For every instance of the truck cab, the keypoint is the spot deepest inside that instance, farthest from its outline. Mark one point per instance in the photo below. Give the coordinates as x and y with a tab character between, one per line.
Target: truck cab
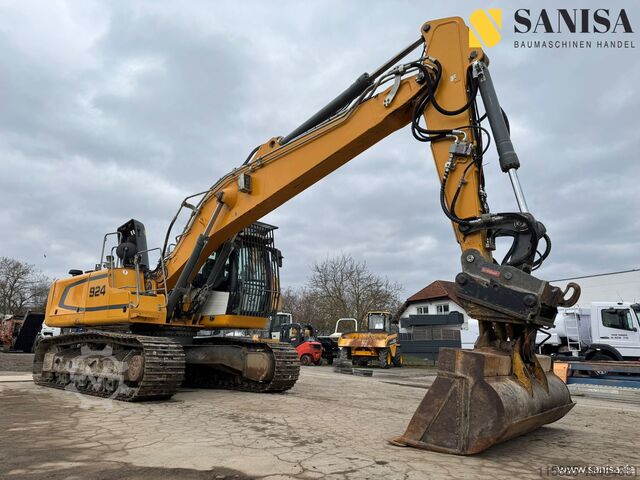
601	331
616	325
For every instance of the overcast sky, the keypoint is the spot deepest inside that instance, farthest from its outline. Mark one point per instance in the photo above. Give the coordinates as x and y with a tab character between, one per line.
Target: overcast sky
118	110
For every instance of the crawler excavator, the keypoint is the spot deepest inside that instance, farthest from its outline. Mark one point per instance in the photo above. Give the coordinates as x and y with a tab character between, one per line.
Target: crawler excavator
138	324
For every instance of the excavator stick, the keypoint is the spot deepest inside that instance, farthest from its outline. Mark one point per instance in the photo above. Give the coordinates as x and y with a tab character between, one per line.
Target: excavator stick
476	401
501	389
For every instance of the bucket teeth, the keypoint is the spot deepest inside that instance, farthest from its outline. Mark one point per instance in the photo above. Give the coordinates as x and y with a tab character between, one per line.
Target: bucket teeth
539	374
521	372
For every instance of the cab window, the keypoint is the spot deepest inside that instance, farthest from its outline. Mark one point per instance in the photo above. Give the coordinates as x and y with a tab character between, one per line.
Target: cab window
376	321
619	318
281	319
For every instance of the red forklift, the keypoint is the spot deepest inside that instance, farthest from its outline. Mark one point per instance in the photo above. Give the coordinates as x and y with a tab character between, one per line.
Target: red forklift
305	342
302	337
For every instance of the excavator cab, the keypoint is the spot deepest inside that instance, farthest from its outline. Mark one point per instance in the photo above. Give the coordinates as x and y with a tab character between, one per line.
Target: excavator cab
276	322
241	278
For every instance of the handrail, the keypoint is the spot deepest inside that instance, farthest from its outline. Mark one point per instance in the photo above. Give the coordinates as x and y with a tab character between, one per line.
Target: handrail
136	263
104	243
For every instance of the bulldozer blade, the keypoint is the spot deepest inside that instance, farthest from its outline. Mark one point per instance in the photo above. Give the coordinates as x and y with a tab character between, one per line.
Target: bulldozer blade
476	401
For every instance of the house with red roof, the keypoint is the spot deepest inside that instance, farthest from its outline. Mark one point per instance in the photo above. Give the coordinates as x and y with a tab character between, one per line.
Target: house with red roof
433	318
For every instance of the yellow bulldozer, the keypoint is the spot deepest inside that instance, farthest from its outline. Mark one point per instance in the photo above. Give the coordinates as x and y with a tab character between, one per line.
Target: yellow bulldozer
377	344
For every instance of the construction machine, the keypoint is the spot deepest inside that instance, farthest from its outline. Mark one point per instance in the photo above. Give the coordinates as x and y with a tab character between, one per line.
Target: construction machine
139	322
330	348
377	343
344	325
302	337
276	322
304	340
19	333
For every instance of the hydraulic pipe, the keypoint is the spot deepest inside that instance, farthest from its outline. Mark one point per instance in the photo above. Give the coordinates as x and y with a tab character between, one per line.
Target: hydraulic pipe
187	271
363	82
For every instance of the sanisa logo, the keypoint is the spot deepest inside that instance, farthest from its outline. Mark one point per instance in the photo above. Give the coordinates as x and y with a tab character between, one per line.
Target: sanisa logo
582	20
485	26
534	28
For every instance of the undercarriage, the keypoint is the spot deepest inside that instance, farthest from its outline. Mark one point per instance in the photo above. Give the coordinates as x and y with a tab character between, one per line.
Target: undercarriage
134	367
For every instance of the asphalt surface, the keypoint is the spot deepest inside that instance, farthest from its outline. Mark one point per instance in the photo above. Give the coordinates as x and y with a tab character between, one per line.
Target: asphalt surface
329	425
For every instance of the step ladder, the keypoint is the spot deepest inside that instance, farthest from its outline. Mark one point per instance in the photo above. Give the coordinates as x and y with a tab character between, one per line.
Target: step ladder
572	329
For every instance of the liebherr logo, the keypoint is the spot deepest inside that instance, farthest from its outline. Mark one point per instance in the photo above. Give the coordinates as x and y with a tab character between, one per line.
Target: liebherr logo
485	26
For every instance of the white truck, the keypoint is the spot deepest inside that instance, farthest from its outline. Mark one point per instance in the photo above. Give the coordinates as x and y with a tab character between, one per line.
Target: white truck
599	331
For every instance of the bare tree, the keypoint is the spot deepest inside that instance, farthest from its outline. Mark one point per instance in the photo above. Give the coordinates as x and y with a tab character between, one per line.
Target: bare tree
302	304
22	287
340	286
289	300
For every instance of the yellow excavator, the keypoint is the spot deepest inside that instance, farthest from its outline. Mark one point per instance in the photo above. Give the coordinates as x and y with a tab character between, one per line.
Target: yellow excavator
134	332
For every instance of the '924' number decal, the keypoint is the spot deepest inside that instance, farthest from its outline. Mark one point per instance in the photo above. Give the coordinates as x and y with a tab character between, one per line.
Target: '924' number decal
97	291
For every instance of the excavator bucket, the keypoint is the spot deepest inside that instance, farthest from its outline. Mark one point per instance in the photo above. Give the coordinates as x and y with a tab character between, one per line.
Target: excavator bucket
481	398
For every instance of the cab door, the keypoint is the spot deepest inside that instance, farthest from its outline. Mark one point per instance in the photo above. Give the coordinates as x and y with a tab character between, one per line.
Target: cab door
619	328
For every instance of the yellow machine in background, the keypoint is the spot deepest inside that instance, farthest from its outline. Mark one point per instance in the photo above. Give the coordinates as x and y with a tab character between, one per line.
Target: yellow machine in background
140	323
377	344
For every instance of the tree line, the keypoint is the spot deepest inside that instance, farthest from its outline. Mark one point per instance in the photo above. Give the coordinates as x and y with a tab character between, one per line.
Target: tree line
340	287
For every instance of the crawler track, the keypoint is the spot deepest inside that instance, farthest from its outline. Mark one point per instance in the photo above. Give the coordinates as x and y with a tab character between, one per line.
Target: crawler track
83	367
99	364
